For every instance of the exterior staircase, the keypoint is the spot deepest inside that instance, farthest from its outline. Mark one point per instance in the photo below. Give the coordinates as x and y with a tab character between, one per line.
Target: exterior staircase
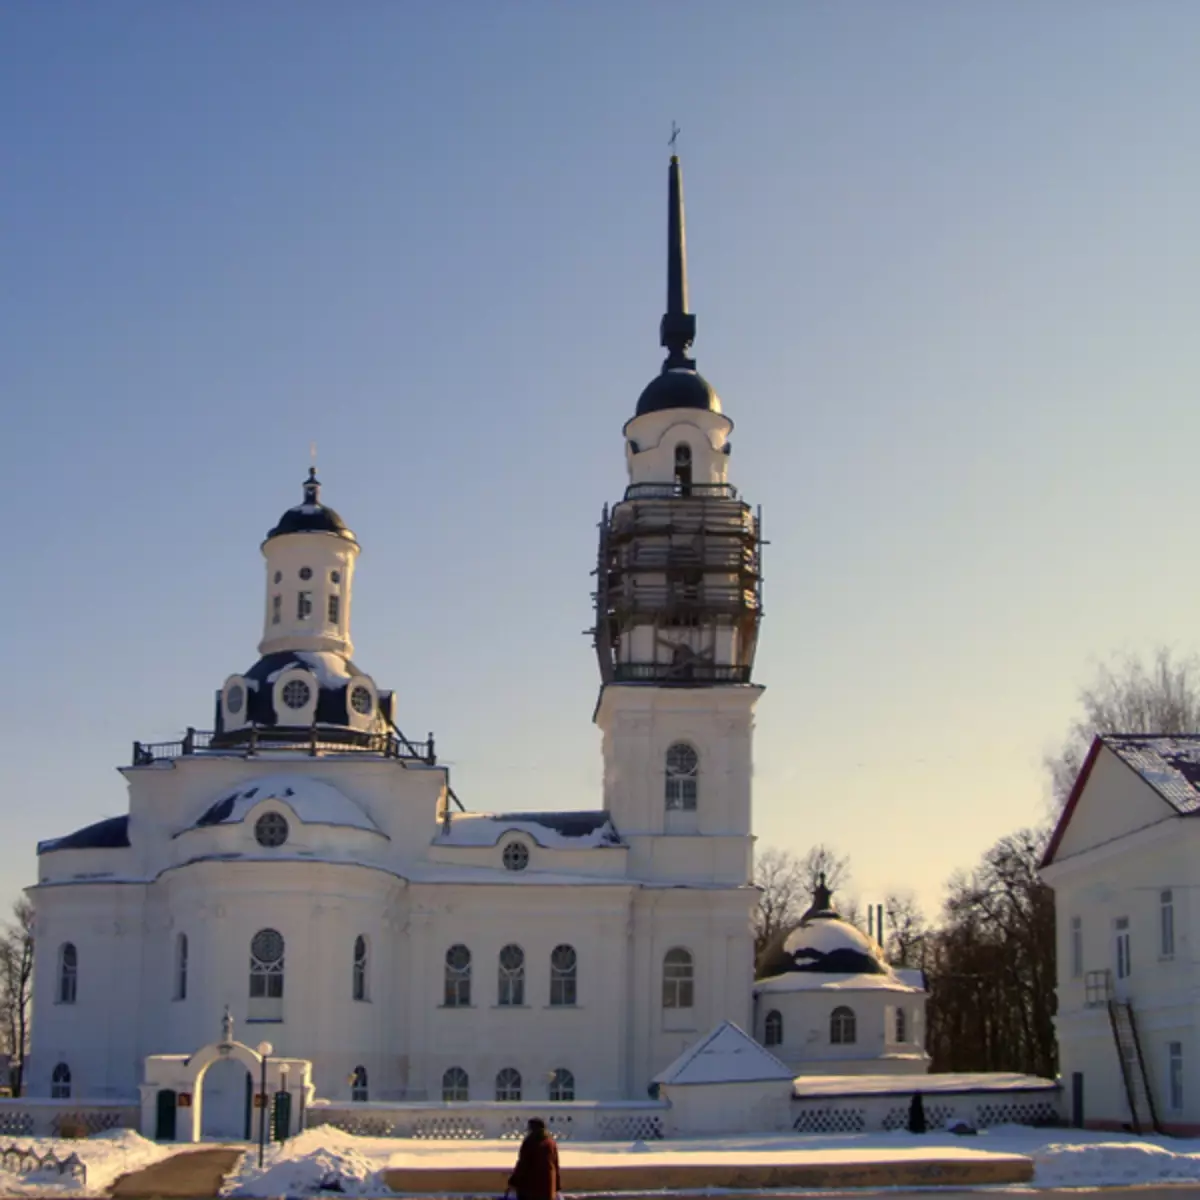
1143	1115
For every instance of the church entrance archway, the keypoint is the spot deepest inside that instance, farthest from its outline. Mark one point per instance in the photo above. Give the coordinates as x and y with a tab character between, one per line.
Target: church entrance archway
225	1095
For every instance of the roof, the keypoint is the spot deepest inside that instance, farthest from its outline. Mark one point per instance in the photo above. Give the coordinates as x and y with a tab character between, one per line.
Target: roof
334	675
905	1085
726	1055
311	516
1169	763
313	801
828	945
108	834
676	388
572	830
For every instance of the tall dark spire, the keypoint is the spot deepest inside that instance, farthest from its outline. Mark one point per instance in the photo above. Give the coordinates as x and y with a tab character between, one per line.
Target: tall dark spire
678	328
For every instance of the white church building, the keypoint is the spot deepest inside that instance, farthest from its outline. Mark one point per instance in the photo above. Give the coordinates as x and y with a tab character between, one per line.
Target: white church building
304	867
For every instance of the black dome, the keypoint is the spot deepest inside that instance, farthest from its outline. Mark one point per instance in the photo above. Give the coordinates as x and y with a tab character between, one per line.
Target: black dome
678	389
311	518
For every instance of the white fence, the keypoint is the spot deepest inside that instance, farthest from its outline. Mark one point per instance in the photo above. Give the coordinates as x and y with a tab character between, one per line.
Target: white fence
888	1111
65	1118
581	1120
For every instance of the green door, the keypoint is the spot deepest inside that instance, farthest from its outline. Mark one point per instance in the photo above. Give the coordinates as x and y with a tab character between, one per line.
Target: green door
281	1117
164	1125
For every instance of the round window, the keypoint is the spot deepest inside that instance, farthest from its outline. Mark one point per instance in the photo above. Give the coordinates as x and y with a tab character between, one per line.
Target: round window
296	693
682	759
235	698
278	576
516	856
361	700
267	946
271	830
306	572
335	577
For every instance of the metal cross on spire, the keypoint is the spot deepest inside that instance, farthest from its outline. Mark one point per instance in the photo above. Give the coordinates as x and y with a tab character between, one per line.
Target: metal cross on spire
674	135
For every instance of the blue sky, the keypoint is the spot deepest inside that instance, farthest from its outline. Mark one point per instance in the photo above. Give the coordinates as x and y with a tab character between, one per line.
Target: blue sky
944	259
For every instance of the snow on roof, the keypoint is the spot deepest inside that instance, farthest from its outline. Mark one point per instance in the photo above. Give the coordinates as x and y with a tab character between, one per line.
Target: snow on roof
313	801
1169	764
113	832
815	981
726	1055
576	830
905	1085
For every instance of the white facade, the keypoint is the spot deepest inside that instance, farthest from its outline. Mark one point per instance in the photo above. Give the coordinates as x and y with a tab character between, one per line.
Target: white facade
1122	864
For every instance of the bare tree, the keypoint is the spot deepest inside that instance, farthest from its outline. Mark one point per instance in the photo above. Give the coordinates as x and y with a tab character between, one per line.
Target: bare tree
779	874
16	984
907	930
824	861
1128	696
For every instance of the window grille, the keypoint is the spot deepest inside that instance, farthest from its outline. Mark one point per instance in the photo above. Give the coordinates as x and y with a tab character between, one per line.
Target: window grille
843	1027
266	965
562	1085
456	1086
60	1083
360	968
68	973
678	979
358	1086
564	966
458	977
773	1028
508	1084
682	771
512	977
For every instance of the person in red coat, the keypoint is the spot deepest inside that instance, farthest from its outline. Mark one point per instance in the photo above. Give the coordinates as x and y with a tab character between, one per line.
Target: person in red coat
535	1177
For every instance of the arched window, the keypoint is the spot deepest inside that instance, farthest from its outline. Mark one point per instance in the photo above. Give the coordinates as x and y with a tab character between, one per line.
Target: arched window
562	1085
266	965
458	977
68	973
843	1029
512	977
360	968
508	1084
683	468
181	966
678	978
683	768
60	1083
901	1025
773	1028
358	1085
456	1086
564	968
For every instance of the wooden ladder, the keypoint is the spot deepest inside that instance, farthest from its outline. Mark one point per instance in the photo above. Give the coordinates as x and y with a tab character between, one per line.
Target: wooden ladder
1143	1114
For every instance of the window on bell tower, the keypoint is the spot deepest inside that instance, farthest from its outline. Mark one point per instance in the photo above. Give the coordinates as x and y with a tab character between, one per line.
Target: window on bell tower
334	609
683	469
304	605
276	609
683	769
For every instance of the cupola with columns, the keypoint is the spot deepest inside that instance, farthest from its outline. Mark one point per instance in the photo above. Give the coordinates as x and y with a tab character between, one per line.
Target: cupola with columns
305	678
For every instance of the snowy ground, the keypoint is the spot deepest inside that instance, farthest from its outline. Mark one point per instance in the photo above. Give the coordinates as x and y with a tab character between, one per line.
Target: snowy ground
1062	1158
106	1156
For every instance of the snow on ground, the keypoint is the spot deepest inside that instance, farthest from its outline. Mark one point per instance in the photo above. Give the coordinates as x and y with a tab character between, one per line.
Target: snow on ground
1062	1158
106	1156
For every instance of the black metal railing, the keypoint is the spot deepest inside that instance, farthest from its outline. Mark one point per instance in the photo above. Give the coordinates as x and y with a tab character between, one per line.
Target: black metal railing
265	739
712	598
680	491
692	672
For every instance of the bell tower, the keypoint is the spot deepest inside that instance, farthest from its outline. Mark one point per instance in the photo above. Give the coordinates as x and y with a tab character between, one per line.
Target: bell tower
678	607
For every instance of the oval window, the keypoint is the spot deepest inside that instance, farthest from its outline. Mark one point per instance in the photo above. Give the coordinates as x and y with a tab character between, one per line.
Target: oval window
306	572
235	698
516	856
296	693
361	700
271	830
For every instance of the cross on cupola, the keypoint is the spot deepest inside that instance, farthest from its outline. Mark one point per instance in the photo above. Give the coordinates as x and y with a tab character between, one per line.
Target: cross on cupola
312	488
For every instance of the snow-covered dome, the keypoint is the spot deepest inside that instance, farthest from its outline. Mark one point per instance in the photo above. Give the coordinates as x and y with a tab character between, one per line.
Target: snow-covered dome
824	942
313	801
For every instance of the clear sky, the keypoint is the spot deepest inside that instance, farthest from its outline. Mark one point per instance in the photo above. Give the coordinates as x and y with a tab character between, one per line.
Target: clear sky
944	259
